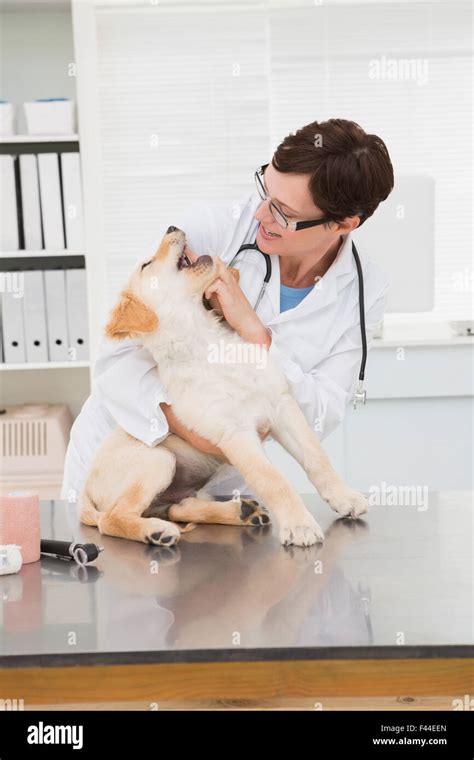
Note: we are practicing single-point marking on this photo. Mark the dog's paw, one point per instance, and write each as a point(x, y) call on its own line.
point(301, 531)
point(161, 532)
point(346, 502)
point(253, 513)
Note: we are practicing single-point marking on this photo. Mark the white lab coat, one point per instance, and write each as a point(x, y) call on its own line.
point(317, 344)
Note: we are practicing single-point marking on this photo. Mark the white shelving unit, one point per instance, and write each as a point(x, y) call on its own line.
point(46, 30)
point(14, 139)
point(43, 365)
point(25, 254)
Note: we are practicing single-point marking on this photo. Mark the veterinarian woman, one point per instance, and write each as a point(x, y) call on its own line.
point(308, 318)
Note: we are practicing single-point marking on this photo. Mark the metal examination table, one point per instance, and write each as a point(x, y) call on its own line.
point(383, 609)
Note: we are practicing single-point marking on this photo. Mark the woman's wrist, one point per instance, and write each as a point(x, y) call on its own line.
point(257, 333)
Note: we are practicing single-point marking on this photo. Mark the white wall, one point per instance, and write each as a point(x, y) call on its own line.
point(37, 47)
point(194, 96)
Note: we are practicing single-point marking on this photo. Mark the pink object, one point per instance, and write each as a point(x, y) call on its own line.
point(20, 523)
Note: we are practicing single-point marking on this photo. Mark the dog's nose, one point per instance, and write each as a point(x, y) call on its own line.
point(172, 229)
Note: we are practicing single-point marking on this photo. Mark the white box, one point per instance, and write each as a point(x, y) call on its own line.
point(56, 314)
point(76, 302)
point(7, 118)
point(51, 201)
point(34, 314)
point(35, 439)
point(13, 326)
point(50, 117)
point(9, 238)
point(72, 201)
point(30, 199)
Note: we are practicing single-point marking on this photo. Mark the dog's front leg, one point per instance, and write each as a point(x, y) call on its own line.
point(292, 431)
point(297, 525)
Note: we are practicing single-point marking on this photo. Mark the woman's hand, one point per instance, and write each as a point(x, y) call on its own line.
point(235, 306)
point(199, 443)
point(226, 293)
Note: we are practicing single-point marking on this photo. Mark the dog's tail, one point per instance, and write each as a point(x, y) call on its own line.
point(88, 514)
point(187, 527)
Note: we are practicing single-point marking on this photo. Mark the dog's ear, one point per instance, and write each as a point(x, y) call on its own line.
point(235, 273)
point(130, 316)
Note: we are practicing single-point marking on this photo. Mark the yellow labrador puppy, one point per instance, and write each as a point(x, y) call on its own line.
point(140, 492)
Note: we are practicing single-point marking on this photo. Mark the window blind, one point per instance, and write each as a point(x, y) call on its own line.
point(193, 97)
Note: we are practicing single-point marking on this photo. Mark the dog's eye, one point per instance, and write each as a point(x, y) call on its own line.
point(146, 264)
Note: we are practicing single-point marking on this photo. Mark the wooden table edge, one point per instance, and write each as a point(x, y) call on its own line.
point(238, 680)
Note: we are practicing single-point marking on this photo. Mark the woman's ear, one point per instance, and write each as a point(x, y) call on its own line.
point(130, 316)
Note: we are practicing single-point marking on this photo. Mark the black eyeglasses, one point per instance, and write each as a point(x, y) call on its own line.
point(277, 213)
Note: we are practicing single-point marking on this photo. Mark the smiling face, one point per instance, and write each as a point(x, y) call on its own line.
point(309, 246)
point(159, 286)
point(291, 193)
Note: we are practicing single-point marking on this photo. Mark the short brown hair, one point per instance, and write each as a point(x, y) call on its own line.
point(351, 171)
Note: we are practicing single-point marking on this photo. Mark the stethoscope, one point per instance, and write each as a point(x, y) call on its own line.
point(360, 395)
